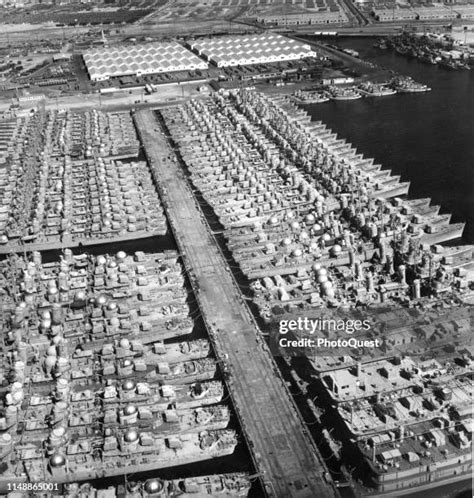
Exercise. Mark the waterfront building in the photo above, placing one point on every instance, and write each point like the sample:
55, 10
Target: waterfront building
138, 60
250, 49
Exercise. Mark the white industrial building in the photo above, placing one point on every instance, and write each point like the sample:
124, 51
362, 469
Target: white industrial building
138, 60
250, 49
464, 11
394, 14
422, 13
435, 13
321, 17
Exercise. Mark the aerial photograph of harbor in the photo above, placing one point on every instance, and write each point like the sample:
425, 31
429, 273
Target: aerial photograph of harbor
236, 248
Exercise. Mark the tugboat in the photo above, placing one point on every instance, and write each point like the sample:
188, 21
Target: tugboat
401, 50
452, 65
310, 97
369, 89
408, 85
336, 93
382, 44
447, 64
427, 57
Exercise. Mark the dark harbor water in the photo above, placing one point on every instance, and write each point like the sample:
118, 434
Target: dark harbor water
428, 138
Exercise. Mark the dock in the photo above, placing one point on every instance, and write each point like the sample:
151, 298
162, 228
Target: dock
288, 463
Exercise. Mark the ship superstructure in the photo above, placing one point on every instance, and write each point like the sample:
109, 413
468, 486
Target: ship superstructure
406, 422
235, 485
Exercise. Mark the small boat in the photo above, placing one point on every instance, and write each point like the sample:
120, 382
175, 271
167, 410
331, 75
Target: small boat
375, 90
336, 93
382, 44
446, 64
310, 97
408, 85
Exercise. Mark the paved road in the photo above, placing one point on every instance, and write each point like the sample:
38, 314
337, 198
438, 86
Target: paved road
354, 13
289, 464
14, 33
172, 92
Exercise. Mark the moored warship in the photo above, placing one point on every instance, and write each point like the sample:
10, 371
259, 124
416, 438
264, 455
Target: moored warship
408, 85
407, 422
310, 97
340, 93
375, 90
128, 451
225, 485
97, 300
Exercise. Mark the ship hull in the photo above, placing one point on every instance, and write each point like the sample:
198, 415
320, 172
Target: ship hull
19, 247
312, 101
110, 470
347, 97
413, 90
413, 488
378, 94
451, 232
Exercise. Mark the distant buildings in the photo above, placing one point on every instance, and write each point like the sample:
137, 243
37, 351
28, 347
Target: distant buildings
328, 17
27, 3
465, 11
395, 14
433, 13
424, 13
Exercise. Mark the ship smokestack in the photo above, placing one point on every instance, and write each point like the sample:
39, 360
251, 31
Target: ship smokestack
402, 274
351, 259
416, 289
369, 282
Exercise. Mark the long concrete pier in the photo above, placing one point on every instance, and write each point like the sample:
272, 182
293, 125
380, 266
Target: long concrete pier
284, 455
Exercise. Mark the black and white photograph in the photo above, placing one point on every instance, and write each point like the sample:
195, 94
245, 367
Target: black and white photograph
236, 248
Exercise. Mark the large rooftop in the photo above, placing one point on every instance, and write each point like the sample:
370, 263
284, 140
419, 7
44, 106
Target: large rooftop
150, 58
250, 49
